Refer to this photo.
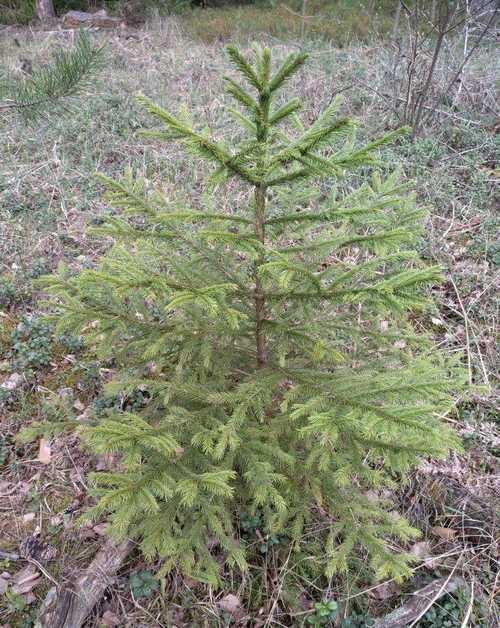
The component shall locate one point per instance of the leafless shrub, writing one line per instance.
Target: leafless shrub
(431, 47)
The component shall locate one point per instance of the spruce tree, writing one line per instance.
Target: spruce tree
(274, 343)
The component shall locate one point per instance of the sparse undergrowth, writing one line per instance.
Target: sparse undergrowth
(47, 198)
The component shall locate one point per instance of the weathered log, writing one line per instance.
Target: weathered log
(69, 606)
(100, 19)
(419, 603)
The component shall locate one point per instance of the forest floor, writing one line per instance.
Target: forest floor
(49, 195)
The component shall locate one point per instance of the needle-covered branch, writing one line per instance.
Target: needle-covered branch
(52, 87)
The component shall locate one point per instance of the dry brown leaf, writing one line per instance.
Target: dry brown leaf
(423, 550)
(385, 591)
(44, 452)
(448, 534)
(109, 620)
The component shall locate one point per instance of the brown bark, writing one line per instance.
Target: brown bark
(45, 10)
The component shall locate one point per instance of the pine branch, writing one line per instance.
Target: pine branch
(51, 88)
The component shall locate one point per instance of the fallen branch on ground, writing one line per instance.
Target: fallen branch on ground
(69, 606)
(418, 603)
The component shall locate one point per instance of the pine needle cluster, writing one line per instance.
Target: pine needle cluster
(274, 342)
(50, 88)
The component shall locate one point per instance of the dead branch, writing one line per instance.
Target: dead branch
(69, 606)
(419, 603)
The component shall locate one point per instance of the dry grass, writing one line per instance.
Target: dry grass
(48, 196)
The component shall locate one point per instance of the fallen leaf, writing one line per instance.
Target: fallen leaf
(444, 533)
(109, 619)
(79, 406)
(385, 591)
(423, 550)
(230, 604)
(100, 529)
(44, 453)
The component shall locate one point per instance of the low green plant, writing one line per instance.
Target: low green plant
(130, 401)
(4, 448)
(17, 11)
(8, 292)
(357, 620)
(70, 342)
(324, 613)
(32, 344)
(7, 397)
(450, 611)
(15, 601)
(143, 584)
